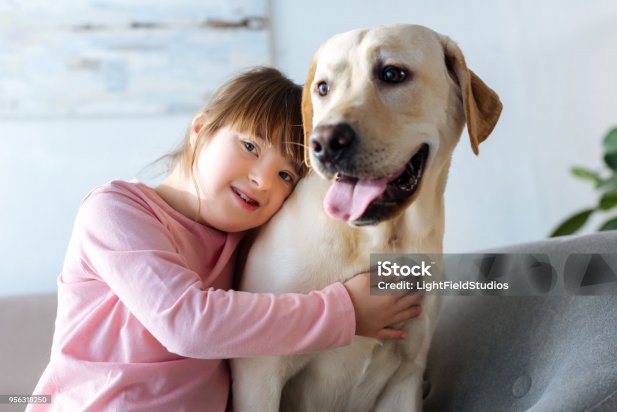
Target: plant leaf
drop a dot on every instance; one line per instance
(611, 160)
(610, 141)
(609, 225)
(609, 184)
(608, 200)
(586, 174)
(572, 224)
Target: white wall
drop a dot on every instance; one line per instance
(47, 167)
(552, 62)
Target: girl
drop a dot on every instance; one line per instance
(146, 317)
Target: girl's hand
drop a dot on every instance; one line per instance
(376, 314)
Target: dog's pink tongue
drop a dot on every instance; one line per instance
(347, 199)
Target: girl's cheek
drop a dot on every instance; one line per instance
(279, 206)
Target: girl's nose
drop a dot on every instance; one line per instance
(263, 175)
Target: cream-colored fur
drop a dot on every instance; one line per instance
(302, 249)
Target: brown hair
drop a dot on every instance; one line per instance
(260, 102)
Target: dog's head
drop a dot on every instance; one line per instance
(383, 109)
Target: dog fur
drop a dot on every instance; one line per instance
(302, 248)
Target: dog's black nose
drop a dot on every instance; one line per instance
(330, 143)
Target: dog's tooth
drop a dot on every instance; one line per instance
(411, 168)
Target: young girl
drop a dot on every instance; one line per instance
(146, 317)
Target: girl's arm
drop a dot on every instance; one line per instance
(120, 241)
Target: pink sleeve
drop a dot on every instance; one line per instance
(126, 246)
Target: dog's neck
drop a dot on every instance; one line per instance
(418, 230)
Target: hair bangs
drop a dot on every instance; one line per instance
(261, 102)
(271, 111)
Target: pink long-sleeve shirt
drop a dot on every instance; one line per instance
(146, 318)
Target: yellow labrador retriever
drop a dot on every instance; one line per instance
(383, 109)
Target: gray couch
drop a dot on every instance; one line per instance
(540, 354)
(490, 353)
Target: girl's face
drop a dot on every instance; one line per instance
(243, 181)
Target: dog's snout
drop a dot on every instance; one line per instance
(330, 143)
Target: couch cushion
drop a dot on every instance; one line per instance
(492, 353)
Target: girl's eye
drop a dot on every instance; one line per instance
(286, 177)
(250, 147)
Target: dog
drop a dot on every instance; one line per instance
(383, 109)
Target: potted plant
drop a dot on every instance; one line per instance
(605, 185)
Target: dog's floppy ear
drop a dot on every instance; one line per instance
(307, 110)
(482, 105)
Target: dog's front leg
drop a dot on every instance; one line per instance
(258, 382)
(403, 392)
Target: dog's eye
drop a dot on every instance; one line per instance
(323, 88)
(393, 74)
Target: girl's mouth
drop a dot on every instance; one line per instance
(245, 199)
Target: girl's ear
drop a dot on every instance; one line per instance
(198, 123)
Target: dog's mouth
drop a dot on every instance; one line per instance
(362, 201)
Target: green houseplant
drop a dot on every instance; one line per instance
(605, 184)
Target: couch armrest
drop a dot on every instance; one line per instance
(26, 331)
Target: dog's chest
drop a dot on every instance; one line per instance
(292, 255)
(359, 372)
(336, 256)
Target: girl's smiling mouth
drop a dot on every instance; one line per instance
(245, 200)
